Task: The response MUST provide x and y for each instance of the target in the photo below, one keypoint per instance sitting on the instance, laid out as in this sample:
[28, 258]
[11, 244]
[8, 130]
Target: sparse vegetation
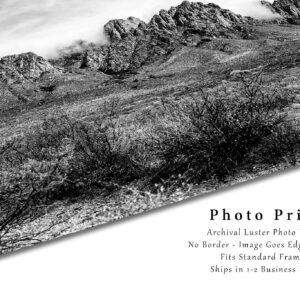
[221, 132]
[207, 137]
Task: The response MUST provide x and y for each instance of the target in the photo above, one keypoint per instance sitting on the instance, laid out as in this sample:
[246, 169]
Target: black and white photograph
[113, 108]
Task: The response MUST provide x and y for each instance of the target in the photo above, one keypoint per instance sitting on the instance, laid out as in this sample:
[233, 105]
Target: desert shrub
[218, 133]
[103, 153]
[205, 137]
[27, 183]
[62, 157]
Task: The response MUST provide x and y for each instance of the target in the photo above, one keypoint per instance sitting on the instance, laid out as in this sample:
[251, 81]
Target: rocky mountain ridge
[134, 43]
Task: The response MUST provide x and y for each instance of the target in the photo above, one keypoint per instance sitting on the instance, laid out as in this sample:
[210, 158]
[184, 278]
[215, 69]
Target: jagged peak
[196, 15]
[134, 43]
[117, 28]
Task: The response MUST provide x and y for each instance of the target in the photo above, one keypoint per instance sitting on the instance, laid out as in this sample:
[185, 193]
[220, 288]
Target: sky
[44, 26]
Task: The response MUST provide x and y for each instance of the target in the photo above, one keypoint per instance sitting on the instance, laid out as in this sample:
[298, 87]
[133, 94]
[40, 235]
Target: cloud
[43, 26]
[252, 8]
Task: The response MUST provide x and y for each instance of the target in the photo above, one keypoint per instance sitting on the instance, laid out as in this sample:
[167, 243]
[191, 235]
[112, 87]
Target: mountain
[179, 40]
[197, 95]
[134, 43]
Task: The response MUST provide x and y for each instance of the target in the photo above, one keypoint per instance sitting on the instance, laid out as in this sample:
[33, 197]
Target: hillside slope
[135, 47]
[94, 134]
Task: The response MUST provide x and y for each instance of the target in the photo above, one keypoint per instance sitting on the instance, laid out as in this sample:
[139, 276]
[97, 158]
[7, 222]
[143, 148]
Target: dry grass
[143, 157]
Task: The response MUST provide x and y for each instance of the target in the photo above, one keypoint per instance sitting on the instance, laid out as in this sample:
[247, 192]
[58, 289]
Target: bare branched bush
[207, 137]
[62, 157]
[219, 132]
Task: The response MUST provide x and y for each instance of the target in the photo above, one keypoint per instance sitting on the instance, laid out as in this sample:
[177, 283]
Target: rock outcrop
[207, 19]
[134, 43]
[24, 67]
[117, 29]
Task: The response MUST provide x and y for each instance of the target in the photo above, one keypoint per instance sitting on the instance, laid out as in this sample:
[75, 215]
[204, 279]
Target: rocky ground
[74, 215]
[190, 46]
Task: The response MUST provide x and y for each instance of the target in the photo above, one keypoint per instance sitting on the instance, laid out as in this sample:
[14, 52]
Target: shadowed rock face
[288, 10]
[26, 66]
